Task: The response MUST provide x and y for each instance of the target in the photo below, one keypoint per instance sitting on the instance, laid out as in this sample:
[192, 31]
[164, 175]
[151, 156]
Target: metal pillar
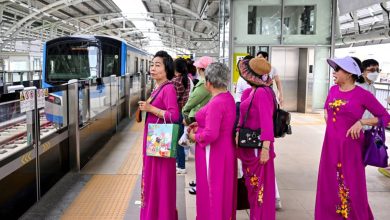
[73, 127]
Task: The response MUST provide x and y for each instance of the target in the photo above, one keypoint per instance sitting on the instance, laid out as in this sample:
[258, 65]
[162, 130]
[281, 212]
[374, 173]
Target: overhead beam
[78, 19]
[55, 5]
[183, 10]
[116, 20]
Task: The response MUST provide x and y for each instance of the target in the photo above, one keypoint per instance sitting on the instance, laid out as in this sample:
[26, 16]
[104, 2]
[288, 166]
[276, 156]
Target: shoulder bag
[249, 138]
[375, 150]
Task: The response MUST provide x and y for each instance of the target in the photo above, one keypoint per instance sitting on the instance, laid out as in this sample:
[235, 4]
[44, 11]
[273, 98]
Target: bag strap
[247, 111]
[158, 92]
[152, 98]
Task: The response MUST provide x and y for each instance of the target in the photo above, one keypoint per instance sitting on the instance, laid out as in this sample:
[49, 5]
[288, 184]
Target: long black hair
[181, 67]
[168, 63]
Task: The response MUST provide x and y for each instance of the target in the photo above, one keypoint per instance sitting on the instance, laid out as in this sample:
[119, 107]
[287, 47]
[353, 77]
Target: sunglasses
[337, 68]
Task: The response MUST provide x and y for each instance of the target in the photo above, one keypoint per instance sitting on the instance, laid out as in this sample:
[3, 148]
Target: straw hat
[252, 71]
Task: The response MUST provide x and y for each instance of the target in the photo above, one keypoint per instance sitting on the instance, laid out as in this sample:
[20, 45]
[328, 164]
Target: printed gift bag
[162, 140]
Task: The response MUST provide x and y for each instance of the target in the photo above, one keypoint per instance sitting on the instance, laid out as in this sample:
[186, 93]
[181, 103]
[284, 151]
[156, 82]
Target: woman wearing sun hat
[341, 185]
[258, 164]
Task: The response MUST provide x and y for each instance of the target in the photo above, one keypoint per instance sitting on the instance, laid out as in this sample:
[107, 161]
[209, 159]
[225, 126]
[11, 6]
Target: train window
[111, 60]
[136, 65]
[71, 60]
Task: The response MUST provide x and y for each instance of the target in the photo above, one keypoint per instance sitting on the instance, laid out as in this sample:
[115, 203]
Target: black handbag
[282, 125]
[249, 138]
[282, 120]
[242, 195]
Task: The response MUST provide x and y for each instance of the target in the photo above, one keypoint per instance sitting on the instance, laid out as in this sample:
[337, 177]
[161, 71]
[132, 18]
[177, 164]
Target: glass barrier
[15, 123]
[299, 20]
[114, 90]
[383, 94]
[99, 95]
[84, 115]
[122, 87]
[264, 20]
[53, 110]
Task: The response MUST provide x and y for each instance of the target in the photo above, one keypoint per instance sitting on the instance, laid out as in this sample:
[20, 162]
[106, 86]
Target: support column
[73, 127]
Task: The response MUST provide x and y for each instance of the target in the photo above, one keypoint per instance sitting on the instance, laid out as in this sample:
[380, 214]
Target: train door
[294, 66]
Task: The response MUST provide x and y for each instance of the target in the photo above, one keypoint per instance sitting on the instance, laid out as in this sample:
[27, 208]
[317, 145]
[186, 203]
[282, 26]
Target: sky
[137, 10]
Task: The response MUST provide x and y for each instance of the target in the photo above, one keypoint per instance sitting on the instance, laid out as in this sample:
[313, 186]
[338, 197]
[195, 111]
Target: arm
[280, 89]
[213, 123]
[375, 108]
[172, 109]
[266, 111]
[171, 113]
[196, 97]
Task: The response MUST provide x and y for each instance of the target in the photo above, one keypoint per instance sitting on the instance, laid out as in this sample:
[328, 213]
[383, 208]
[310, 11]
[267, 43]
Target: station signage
[41, 94]
[27, 99]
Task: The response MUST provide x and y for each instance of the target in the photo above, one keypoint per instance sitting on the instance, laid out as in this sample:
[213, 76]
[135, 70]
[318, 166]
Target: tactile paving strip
[107, 196]
[103, 197]
[133, 163]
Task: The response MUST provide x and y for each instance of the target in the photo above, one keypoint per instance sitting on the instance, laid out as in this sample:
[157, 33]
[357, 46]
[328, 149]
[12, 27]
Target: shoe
[192, 184]
[181, 171]
[192, 191]
[385, 171]
[278, 204]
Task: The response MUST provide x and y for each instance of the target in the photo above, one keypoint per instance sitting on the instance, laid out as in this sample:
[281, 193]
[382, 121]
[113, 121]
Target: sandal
[192, 184]
[192, 191]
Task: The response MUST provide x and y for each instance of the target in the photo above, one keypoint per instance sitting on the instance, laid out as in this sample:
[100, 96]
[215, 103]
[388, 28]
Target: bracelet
[158, 113]
[267, 148]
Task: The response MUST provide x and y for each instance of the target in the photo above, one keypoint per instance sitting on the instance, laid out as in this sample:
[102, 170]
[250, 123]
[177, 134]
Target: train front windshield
[71, 60]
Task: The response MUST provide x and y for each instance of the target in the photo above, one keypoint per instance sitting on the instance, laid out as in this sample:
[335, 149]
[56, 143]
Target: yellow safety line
[103, 197]
[108, 196]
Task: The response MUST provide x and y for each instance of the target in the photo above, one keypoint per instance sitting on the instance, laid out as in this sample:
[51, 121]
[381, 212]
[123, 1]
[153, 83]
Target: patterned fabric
[181, 92]
[341, 185]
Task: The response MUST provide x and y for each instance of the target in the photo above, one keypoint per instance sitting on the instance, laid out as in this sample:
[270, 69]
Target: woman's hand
[144, 106]
[236, 138]
[264, 155]
[193, 126]
[191, 135]
[280, 98]
[355, 130]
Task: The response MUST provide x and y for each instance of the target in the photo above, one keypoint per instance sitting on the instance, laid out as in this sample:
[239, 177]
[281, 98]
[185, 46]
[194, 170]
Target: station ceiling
[189, 24]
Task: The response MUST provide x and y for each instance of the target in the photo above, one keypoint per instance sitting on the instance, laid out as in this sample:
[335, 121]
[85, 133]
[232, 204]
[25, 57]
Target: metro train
[89, 57]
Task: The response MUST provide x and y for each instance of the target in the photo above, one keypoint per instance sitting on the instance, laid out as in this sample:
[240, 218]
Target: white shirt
[273, 72]
[240, 88]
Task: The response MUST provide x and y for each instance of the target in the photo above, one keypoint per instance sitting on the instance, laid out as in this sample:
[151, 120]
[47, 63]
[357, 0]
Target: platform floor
[108, 187]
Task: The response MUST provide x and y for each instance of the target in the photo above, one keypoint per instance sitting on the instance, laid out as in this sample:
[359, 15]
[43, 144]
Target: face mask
[373, 76]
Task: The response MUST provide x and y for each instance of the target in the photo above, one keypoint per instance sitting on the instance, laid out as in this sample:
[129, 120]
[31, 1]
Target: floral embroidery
[256, 185]
[335, 106]
[343, 208]
[142, 193]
